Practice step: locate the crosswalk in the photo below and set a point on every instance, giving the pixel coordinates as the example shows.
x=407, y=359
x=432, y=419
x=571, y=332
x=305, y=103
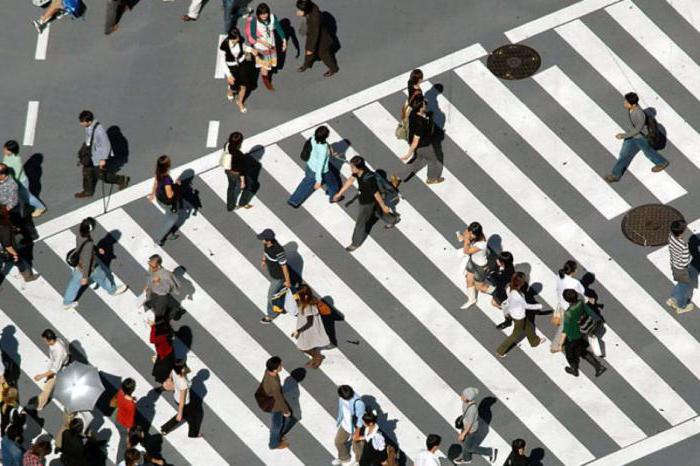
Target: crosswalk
x=402, y=340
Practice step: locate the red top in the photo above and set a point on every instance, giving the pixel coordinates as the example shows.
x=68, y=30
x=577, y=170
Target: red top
x=126, y=410
x=162, y=342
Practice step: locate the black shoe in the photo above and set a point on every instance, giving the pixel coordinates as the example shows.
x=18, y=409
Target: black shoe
x=571, y=371
x=303, y=68
x=600, y=370
x=351, y=248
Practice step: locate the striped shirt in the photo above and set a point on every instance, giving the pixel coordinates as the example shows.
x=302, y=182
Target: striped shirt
x=679, y=251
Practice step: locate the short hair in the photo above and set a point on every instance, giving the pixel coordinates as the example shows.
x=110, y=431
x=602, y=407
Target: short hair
x=262, y=9
x=304, y=5
x=48, y=334
x=235, y=140
x=432, y=441
x=632, y=98
x=346, y=392
x=570, y=296
x=370, y=417
x=128, y=386
x=86, y=116
x=132, y=456
x=14, y=432
x=321, y=134
x=12, y=146
x=518, y=443
x=273, y=363
x=4, y=170
x=358, y=162
x=76, y=425
x=86, y=226
x=678, y=227
x=157, y=258
x=234, y=33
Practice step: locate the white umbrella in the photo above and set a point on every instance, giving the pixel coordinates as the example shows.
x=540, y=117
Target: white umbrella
x=78, y=387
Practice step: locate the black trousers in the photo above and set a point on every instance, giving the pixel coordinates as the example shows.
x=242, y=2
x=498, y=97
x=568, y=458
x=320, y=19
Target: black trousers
x=115, y=8
x=92, y=174
x=190, y=414
x=326, y=55
x=577, y=349
x=234, y=190
x=366, y=218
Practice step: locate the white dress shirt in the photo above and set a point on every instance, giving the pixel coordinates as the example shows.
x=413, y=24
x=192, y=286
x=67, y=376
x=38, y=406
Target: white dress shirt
x=427, y=458
x=58, y=356
x=515, y=305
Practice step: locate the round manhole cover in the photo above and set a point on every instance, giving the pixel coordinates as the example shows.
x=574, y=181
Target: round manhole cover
x=514, y=61
x=649, y=225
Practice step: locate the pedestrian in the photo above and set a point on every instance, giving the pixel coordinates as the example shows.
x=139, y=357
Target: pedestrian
x=10, y=252
x=351, y=408
x=115, y=10
x=499, y=279
x=9, y=408
x=281, y=419
x=37, y=453
x=58, y=359
x=469, y=421
x=164, y=359
x=310, y=334
x=634, y=140
x=237, y=169
x=515, y=307
x=88, y=267
x=94, y=157
x=136, y=441
x=319, y=40
x=274, y=259
x=195, y=8
x=374, y=447
x=422, y=146
x=573, y=340
x=681, y=258
x=11, y=446
x=371, y=202
x=565, y=281
x=168, y=194
x=429, y=456
x=413, y=91
x=74, y=444
x=66, y=418
x=124, y=403
x=132, y=457
x=475, y=248
x=13, y=161
x=9, y=192
x=160, y=286
x=318, y=173
x=517, y=455
x=53, y=10
x=260, y=31
x=240, y=67
x=186, y=410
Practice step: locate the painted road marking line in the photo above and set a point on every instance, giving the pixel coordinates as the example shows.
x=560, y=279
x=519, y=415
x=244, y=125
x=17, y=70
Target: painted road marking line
x=47, y=301
x=271, y=136
x=688, y=9
x=658, y=44
x=220, y=69
x=213, y=133
x=543, y=140
x=30, y=123
x=557, y=18
x=220, y=399
x=221, y=326
x=42, y=43
x=624, y=79
x=582, y=391
x=603, y=128
x=407, y=363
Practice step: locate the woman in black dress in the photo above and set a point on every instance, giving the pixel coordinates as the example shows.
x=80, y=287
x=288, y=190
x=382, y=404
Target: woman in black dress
x=374, y=450
x=240, y=73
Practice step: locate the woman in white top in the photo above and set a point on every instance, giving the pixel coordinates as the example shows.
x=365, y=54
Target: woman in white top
x=186, y=411
x=516, y=306
x=565, y=281
x=475, y=246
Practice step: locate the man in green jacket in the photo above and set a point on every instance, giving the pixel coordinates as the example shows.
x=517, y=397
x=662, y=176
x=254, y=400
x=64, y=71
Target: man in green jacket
x=574, y=342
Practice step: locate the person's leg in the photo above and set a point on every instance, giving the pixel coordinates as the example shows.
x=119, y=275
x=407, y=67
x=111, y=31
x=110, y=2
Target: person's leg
x=342, y=440
x=170, y=425
x=193, y=416
x=471, y=446
x=328, y=57
x=364, y=215
x=309, y=60
x=571, y=352
x=304, y=189
x=532, y=337
x=516, y=336
x=627, y=152
x=229, y=10
x=232, y=190
x=357, y=448
x=111, y=16
x=247, y=193
x=276, y=421
x=65, y=422
x=45, y=394
x=650, y=153
x=332, y=185
x=169, y=221
x=434, y=165
x=89, y=180
x=51, y=11
x=681, y=294
x=242, y=91
x=194, y=9
x=103, y=277
x=276, y=285
x=73, y=287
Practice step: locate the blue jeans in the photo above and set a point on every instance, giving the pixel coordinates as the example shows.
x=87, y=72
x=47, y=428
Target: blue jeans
x=306, y=187
x=470, y=445
x=682, y=292
x=276, y=285
x=101, y=275
x=629, y=149
x=27, y=196
x=279, y=426
x=171, y=221
x=229, y=7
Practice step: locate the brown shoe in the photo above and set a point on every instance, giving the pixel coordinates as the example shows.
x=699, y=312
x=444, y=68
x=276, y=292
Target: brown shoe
x=282, y=446
x=659, y=167
x=435, y=180
x=611, y=178
x=188, y=18
x=82, y=194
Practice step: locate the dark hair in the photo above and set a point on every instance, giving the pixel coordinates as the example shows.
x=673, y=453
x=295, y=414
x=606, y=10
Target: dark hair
x=369, y=417
x=12, y=146
x=321, y=134
x=14, y=432
x=304, y=5
x=569, y=268
x=4, y=170
x=163, y=327
x=518, y=443
x=157, y=258
x=48, y=334
x=76, y=425
x=346, y=392
x=413, y=79
x=517, y=281
x=86, y=116
x=128, y=386
x=41, y=447
x=306, y=296
x=180, y=367
x=86, y=227
x=432, y=441
x=262, y=9
x=506, y=258
x=273, y=363
x=132, y=456
x=358, y=162
x=475, y=229
x=678, y=227
x=632, y=98
x=235, y=140
x=570, y=296
x=162, y=167
x=417, y=102
x=234, y=34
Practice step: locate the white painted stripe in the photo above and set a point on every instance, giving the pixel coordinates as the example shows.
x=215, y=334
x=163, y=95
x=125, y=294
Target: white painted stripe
x=271, y=136
x=440, y=252
x=42, y=43
x=651, y=445
x=555, y=19
x=603, y=128
x=30, y=123
x=227, y=332
x=581, y=246
x=220, y=69
x=47, y=301
x=658, y=44
x=543, y=140
x=624, y=79
x=400, y=355
x=213, y=133
x=251, y=281
x=442, y=325
x=220, y=399
x=688, y=9
x=660, y=395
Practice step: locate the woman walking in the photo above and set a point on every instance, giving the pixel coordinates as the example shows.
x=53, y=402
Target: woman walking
x=374, y=449
x=37, y=453
x=515, y=307
x=164, y=359
x=565, y=281
x=166, y=192
x=239, y=179
x=474, y=246
x=186, y=411
x=499, y=280
x=318, y=171
x=310, y=333
x=260, y=31
x=240, y=68
x=125, y=404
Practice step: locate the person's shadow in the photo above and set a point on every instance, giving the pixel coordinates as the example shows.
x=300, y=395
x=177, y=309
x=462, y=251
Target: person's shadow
x=329, y=22
x=199, y=390
x=330, y=320
x=11, y=358
x=186, y=288
x=120, y=147
x=34, y=171
x=291, y=37
x=295, y=261
x=253, y=166
x=189, y=194
x=290, y=388
x=107, y=245
x=183, y=341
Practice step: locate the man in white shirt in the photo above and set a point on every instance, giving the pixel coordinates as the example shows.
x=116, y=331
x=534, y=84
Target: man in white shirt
x=429, y=456
x=58, y=359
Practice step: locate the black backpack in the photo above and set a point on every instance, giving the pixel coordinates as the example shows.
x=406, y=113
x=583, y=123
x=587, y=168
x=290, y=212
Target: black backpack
x=656, y=137
x=306, y=150
x=390, y=194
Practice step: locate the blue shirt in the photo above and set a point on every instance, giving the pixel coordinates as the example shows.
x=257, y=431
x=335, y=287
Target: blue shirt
x=11, y=453
x=318, y=159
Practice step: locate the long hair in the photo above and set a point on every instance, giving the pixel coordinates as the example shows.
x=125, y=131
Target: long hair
x=517, y=281
x=568, y=269
x=306, y=297
x=162, y=167
x=414, y=78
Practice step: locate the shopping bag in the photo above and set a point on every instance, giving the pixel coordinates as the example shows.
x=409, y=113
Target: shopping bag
x=594, y=345
x=290, y=304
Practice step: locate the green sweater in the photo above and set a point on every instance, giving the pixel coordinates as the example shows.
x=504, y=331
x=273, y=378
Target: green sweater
x=571, y=318
x=14, y=162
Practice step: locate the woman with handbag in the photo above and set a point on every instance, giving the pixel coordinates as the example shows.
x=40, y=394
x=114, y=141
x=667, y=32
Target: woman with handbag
x=499, y=280
x=310, y=334
x=240, y=67
x=374, y=451
x=413, y=91
x=260, y=31
x=237, y=170
x=515, y=307
x=166, y=192
x=319, y=173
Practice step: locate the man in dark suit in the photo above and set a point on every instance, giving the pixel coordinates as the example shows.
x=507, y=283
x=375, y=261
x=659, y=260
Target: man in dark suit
x=319, y=40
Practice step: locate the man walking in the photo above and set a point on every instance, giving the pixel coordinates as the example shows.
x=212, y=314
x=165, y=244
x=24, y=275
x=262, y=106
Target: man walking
x=94, y=155
x=680, y=260
x=429, y=456
x=370, y=200
x=349, y=422
x=574, y=342
x=635, y=140
x=470, y=425
x=160, y=284
x=58, y=359
x=274, y=259
x=282, y=420
x=195, y=9
x=319, y=40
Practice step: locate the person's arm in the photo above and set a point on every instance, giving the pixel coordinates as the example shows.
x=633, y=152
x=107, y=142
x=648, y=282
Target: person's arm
x=347, y=185
x=279, y=398
x=287, y=278
x=168, y=189
x=638, y=120
x=378, y=197
x=13, y=252
x=532, y=307
x=307, y=325
x=85, y=261
x=313, y=31
x=181, y=404
x=249, y=33
x=101, y=147
x=412, y=148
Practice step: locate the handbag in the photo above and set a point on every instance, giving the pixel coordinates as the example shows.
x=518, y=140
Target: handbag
x=594, y=345
x=225, y=159
x=290, y=304
x=401, y=131
x=265, y=401
x=73, y=256
x=555, y=319
x=681, y=275
x=323, y=308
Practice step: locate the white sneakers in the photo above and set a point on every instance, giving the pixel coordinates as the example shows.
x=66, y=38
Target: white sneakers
x=71, y=306
x=337, y=462
x=120, y=289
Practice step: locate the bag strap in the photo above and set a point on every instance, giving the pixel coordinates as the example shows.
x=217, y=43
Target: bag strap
x=92, y=135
